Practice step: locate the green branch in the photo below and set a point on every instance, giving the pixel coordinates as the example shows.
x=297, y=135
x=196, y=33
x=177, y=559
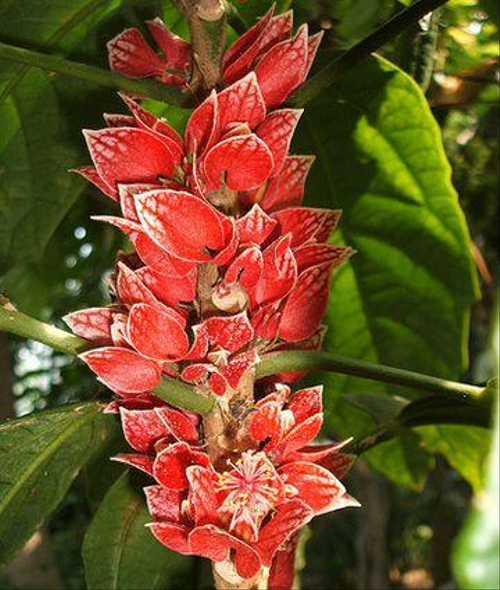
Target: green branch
x=182, y=395
x=173, y=391
x=60, y=65
x=282, y=362
x=23, y=325
x=362, y=50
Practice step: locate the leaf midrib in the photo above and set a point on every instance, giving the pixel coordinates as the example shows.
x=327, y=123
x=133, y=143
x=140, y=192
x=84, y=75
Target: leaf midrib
x=47, y=452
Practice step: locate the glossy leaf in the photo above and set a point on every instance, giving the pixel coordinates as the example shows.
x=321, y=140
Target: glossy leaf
x=403, y=298
x=40, y=457
x=120, y=553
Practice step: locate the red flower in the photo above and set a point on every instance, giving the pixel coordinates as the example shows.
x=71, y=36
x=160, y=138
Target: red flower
x=281, y=61
x=228, y=265
x=241, y=513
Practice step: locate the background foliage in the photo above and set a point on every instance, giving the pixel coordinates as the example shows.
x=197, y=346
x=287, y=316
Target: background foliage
x=384, y=137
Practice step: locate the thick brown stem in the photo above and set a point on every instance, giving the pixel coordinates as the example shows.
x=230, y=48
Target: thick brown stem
x=207, y=23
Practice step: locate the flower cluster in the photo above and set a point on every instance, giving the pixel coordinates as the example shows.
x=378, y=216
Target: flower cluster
x=228, y=265
x=243, y=511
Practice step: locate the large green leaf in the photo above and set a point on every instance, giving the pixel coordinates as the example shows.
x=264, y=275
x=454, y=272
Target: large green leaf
x=476, y=554
x=36, y=146
x=403, y=299
x=120, y=553
x=40, y=457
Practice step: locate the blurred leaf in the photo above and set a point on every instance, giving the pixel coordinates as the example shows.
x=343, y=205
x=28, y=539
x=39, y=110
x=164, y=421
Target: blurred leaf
x=36, y=146
x=358, y=18
x=403, y=460
x=382, y=408
x=475, y=559
x=120, y=553
x=403, y=299
x=40, y=457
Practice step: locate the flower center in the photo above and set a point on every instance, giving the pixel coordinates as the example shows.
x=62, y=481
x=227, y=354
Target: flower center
x=251, y=488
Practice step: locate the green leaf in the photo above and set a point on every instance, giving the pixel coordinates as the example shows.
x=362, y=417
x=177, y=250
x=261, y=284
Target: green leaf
x=36, y=145
x=403, y=300
x=475, y=556
x=40, y=457
x=120, y=553
x=382, y=408
x=358, y=18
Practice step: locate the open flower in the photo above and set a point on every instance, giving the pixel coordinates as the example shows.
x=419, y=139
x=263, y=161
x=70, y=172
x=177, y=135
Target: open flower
x=244, y=511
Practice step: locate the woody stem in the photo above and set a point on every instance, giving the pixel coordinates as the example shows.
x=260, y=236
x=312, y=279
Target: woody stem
x=207, y=23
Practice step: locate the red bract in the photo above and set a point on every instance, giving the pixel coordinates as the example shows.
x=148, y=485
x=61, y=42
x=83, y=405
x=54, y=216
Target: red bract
x=228, y=266
x=280, y=60
x=240, y=513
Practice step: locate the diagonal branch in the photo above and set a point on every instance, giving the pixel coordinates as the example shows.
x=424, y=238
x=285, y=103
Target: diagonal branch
x=362, y=50
x=60, y=65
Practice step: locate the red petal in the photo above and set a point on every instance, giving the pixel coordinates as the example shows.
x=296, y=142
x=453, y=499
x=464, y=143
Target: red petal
x=282, y=573
x=266, y=320
x=130, y=228
x=265, y=422
x=287, y=189
x=279, y=272
x=176, y=50
x=182, y=224
x=255, y=226
x=203, y=126
x=316, y=486
x=241, y=163
x=127, y=154
x=130, y=55
x=160, y=261
x=245, y=268
x=283, y=68
x=196, y=373
x=119, y=120
x=301, y=435
x=312, y=48
x=147, y=120
x=279, y=29
x=164, y=504
x=170, y=465
x=142, y=462
x=231, y=333
x=173, y=536
x=202, y=495
x=306, y=223
x=290, y=517
x=306, y=403
x=238, y=366
x=91, y=174
x=231, y=239
x=242, y=52
x=123, y=370
x=314, y=254
x=277, y=132
x=157, y=333
x=142, y=428
x=242, y=102
x=217, y=384
x=93, y=324
x=306, y=304
x=131, y=288
x=179, y=424
x=214, y=543
x=128, y=193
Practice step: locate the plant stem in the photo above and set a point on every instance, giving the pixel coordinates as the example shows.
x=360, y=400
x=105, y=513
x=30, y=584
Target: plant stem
x=25, y=326
x=281, y=362
x=174, y=392
x=60, y=65
x=359, y=52
x=19, y=323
